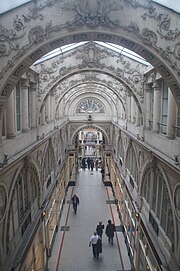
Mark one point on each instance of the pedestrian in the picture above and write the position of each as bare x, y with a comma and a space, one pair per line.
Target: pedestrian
83, 163
99, 229
95, 242
75, 202
92, 164
110, 229
102, 171
88, 162
96, 164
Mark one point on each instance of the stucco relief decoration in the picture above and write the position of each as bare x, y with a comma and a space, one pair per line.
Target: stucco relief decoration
3, 201
137, 77
93, 13
177, 201
164, 23
9, 36
150, 38
36, 35
90, 77
91, 56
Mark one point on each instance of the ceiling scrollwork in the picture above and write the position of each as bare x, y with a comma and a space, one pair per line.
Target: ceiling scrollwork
31, 33
88, 57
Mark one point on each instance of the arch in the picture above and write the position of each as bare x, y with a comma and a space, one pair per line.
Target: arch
135, 163
70, 106
114, 73
48, 146
153, 165
73, 137
71, 24
4, 199
120, 146
31, 167
72, 83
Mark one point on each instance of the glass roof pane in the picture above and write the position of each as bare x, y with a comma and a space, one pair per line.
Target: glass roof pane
124, 51
173, 4
10, 4
116, 48
58, 51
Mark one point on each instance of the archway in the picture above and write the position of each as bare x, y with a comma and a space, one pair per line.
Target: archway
76, 21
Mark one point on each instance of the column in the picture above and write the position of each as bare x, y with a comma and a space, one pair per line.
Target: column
157, 107
43, 114
133, 106
148, 106
25, 105
171, 119
33, 105
51, 107
48, 109
82, 150
97, 151
129, 107
10, 124
137, 116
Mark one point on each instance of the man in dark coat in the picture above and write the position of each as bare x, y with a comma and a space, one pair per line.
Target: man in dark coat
110, 229
99, 229
75, 202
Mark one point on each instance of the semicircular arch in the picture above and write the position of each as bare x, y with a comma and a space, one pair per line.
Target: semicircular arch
142, 35
85, 126
112, 76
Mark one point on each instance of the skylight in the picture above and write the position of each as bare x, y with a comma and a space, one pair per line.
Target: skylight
10, 4
172, 4
116, 48
58, 51
124, 51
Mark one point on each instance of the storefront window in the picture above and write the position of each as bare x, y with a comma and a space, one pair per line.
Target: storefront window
52, 216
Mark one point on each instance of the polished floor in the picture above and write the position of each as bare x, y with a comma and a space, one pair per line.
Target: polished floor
71, 251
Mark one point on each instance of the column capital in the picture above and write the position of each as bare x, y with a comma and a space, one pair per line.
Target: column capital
24, 83
148, 87
33, 86
156, 86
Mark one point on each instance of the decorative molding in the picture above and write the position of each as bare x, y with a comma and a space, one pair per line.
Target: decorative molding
91, 56
3, 201
95, 14
177, 201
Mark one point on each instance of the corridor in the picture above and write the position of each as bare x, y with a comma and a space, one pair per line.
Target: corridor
71, 251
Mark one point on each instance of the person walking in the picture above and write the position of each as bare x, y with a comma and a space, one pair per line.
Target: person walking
99, 229
75, 202
88, 162
96, 164
95, 242
110, 229
92, 164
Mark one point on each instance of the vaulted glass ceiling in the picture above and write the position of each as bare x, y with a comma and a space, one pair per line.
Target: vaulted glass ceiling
10, 4
116, 48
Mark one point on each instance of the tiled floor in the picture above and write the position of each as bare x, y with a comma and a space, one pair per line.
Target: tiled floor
70, 250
